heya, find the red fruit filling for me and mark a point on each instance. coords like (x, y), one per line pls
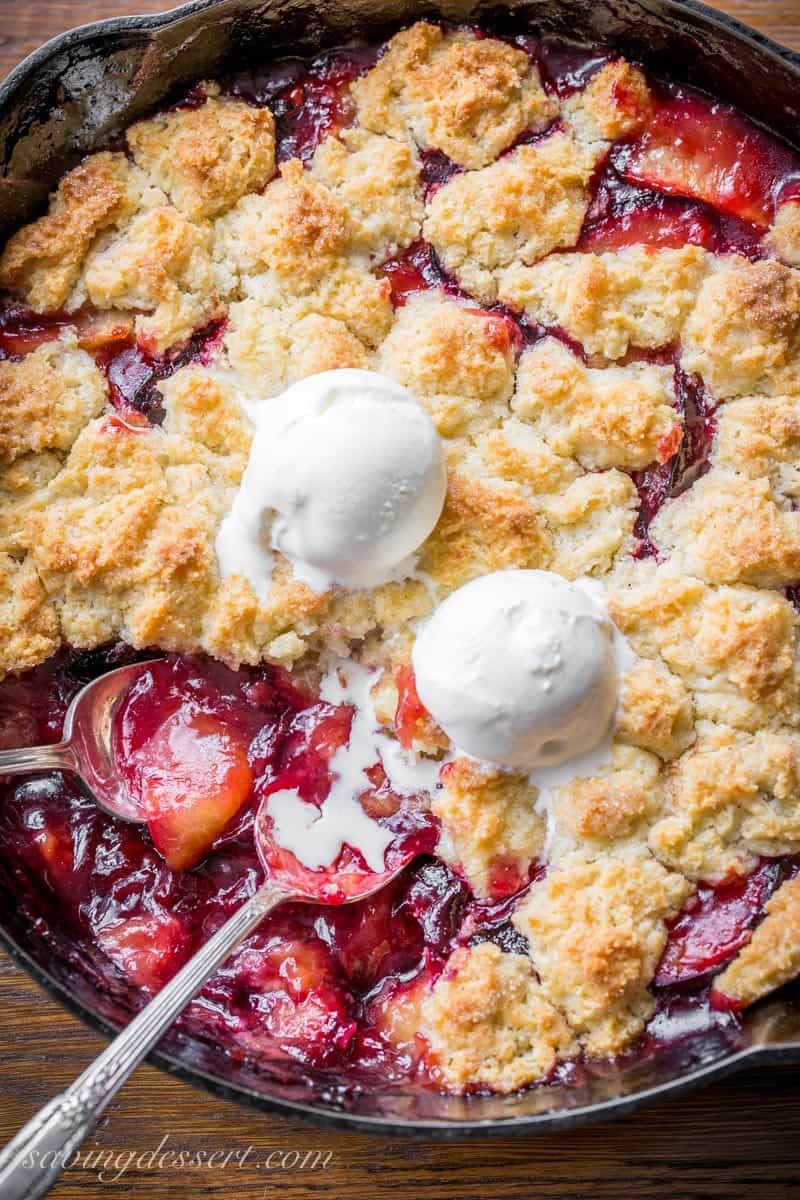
(410, 709)
(133, 372)
(301, 989)
(506, 878)
(22, 331)
(564, 68)
(437, 168)
(694, 146)
(325, 987)
(308, 101)
(335, 988)
(623, 214)
(417, 269)
(193, 777)
(146, 947)
(665, 480)
(714, 925)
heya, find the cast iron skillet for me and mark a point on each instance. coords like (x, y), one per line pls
(72, 96)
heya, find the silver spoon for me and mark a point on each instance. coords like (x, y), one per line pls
(34, 1159)
(86, 747)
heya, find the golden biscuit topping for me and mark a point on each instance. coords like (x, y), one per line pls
(485, 224)
(631, 415)
(488, 1022)
(205, 159)
(43, 260)
(468, 97)
(596, 930)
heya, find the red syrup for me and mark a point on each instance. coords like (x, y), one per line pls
(416, 269)
(22, 331)
(308, 100)
(303, 986)
(437, 169)
(316, 986)
(624, 214)
(664, 481)
(133, 372)
(792, 594)
(564, 67)
(716, 923)
(694, 146)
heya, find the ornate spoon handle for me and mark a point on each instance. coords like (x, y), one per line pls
(34, 1159)
(38, 758)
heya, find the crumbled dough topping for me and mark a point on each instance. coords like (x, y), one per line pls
(488, 1021)
(772, 956)
(497, 221)
(468, 97)
(596, 929)
(557, 379)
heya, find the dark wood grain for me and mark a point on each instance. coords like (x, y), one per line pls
(733, 1141)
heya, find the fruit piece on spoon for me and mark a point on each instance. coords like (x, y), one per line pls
(181, 742)
(358, 814)
(188, 741)
(349, 877)
(55, 1129)
(194, 777)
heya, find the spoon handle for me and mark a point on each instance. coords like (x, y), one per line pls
(38, 758)
(34, 1159)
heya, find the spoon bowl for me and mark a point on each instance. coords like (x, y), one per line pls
(86, 748)
(32, 1161)
(348, 878)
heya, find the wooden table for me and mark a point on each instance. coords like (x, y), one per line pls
(737, 1139)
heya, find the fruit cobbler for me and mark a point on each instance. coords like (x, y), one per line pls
(430, 415)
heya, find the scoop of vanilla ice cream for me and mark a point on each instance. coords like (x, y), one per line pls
(346, 478)
(519, 669)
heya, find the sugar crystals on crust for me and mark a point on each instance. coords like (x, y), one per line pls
(297, 244)
(43, 260)
(729, 529)
(491, 825)
(732, 797)
(743, 334)
(616, 417)
(29, 626)
(489, 1023)
(734, 648)
(512, 213)
(596, 929)
(47, 398)
(159, 266)
(206, 158)
(468, 97)
(636, 297)
(270, 348)
(457, 359)
(784, 233)
(377, 180)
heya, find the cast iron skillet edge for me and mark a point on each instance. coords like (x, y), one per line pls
(19, 200)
